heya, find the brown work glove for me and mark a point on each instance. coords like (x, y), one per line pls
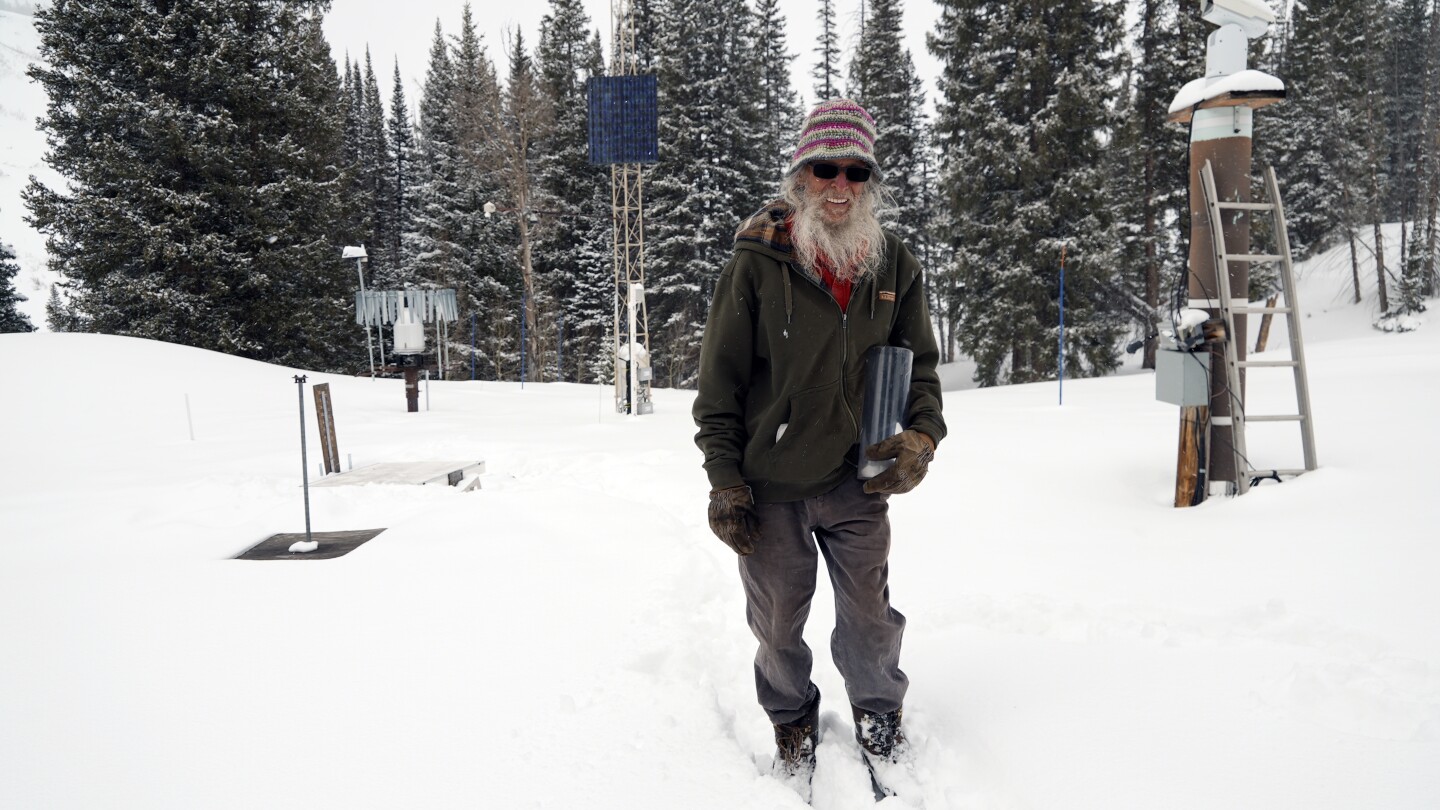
(912, 451)
(733, 519)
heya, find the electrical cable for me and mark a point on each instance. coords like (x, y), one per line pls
(1237, 405)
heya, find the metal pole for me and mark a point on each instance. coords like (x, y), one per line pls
(634, 356)
(304, 465)
(1062, 324)
(188, 420)
(360, 271)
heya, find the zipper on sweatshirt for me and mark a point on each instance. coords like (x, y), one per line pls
(844, 358)
(844, 343)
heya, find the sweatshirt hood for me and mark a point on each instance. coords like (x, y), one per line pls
(765, 231)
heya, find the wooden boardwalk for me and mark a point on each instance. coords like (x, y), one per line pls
(406, 472)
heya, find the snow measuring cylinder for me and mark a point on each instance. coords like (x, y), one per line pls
(887, 391)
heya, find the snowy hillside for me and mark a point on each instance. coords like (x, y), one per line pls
(21, 149)
(571, 635)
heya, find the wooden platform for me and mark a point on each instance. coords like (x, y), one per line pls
(1247, 98)
(332, 545)
(407, 472)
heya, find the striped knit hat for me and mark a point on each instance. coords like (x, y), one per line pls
(836, 129)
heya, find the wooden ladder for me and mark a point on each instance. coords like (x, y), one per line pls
(1290, 308)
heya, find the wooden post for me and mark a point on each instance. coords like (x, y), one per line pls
(325, 416)
(1221, 127)
(1220, 132)
(1221, 136)
(1191, 468)
(1264, 336)
(412, 389)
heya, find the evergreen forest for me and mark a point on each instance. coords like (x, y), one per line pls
(217, 157)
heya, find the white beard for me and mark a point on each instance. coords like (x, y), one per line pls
(853, 248)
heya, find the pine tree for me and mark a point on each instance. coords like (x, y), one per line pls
(11, 318)
(489, 273)
(1026, 108)
(1404, 63)
(826, 72)
(1323, 151)
(573, 250)
(711, 173)
(372, 172)
(934, 250)
(1375, 34)
(352, 102)
(430, 248)
(884, 82)
(645, 23)
(202, 196)
(1410, 82)
(452, 245)
(1150, 161)
(1422, 271)
(512, 129)
(352, 110)
(750, 146)
(401, 181)
(779, 106)
(60, 315)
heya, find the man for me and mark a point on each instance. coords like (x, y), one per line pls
(814, 282)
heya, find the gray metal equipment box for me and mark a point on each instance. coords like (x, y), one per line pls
(1182, 378)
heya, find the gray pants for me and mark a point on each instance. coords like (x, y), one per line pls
(852, 530)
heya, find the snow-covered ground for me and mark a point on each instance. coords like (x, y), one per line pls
(572, 636)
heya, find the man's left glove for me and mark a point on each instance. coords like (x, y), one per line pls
(733, 519)
(912, 451)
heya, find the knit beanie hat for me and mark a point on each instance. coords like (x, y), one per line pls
(834, 130)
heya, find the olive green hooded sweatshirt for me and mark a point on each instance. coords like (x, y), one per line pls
(782, 367)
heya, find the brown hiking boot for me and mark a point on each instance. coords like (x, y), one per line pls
(879, 734)
(795, 745)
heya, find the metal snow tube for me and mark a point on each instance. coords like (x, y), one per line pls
(887, 391)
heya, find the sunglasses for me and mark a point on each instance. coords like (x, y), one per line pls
(829, 171)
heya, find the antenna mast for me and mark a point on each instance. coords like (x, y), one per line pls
(632, 355)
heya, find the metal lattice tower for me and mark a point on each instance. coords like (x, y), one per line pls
(627, 196)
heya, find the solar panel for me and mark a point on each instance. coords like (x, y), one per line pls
(623, 120)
